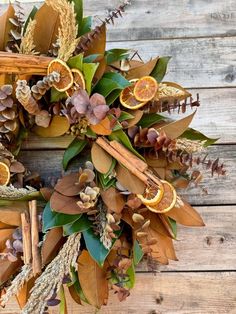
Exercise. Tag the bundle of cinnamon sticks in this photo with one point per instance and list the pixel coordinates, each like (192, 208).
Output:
(30, 234)
(134, 164)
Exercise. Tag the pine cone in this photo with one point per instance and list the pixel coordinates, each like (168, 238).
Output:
(9, 122)
(44, 85)
(24, 96)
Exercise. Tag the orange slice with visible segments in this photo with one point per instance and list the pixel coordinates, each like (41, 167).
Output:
(127, 98)
(66, 77)
(78, 82)
(168, 200)
(4, 174)
(152, 195)
(145, 89)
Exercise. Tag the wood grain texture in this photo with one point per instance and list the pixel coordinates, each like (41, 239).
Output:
(220, 190)
(147, 19)
(166, 293)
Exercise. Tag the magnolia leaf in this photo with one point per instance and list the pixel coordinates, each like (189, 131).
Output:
(89, 70)
(171, 91)
(114, 201)
(91, 275)
(30, 17)
(5, 226)
(168, 247)
(65, 204)
(78, 225)
(5, 26)
(93, 58)
(159, 162)
(137, 253)
(56, 95)
(129, 284)
(5, 234)
(96, 249)
(78, 6)
(74, 294)
(102, 128)
(121, 137)
(173, 226)
(51, 245)
(85, 26)
(148, 119)
(58, 127)
(142, 70)
(106, 181)
(8, 269)
(76, 62)
(101, 160)
(114, 55)
(185, 215)
(46, 193)
(24, 292)
(166, 223)
(195, 135)
(126, 116)
(11, 217)
(156, 224)
(137, 116)
(175, 129)
(73, 150)
(53, 219)
(45, 34)
(129, 181)
(98, 43)
(160, 68)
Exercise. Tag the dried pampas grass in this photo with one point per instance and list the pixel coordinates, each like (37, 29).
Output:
(27, 42)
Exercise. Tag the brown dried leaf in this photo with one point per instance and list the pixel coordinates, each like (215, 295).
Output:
(5, 26)
(51, 244)
(58, 127)
(24, 293)
(180, 183)
(98, 45)
(11, 215)
(93, 280)
(114, 201)
(65, 205)
(5, 226)
(137, 117)
(102, 161)
(74, 295)
(45, 34)
(102, 128)
(142, 70)
(176, 128)
(46, 193)
(157, 224)
(5, 234)
(129, 181)
(186, 215)
(7, 269)
(69, 185)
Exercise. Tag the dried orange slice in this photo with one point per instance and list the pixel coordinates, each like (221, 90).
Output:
(145, 89)
(78, 82)
(152, 195)
(127, 98)
(4, 174)
(168, 200)
(66, 77)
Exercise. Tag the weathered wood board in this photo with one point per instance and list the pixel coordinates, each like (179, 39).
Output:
(201, 38)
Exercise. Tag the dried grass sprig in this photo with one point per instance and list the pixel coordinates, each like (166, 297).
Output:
(12, 193)
(67, 33)
(17, 283)
(27, 45)
(51, 279)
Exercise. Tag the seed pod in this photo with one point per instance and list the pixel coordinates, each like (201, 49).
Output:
(137, 218)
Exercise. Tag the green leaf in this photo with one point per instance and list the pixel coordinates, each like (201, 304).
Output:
(131, 277)
(73, 150)
(106, 182)
(79, 225)
(62, 306)
(56, 95)
(111, 85)
(76, 62)
(86, 25)
(89, 133)
(53, 219)
(92, 58)
(78, 5)
(160, 68)
(22, 135)
(106, 175)
(125, 116)
(149, 119)
(195, 135)
(173, 226)
(76, 284)
(114, 55)
(121, 137)
(30, 17)
(89, 69)
(137, 253)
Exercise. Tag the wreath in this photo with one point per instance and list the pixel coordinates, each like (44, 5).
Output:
(118, 200)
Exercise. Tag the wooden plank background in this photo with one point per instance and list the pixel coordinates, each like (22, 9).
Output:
(200, 37)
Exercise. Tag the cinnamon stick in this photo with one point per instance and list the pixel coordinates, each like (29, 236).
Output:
(26, 235)
(36, 257)
(110, 150)
(137, 162)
